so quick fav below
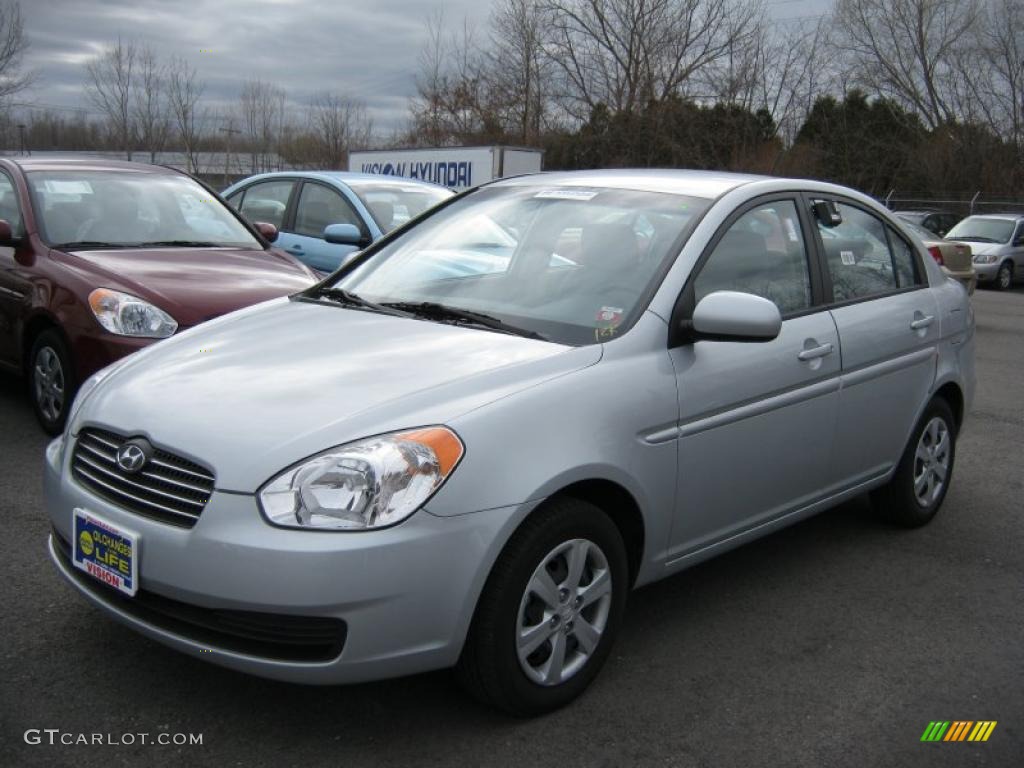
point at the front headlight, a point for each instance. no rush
(128, 315)
(371, 483)
(985, 258)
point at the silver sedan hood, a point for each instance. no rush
(258, 390)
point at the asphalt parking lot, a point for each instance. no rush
(834, 642)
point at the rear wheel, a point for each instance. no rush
(550, 610)
(51, 380)
(1004, 277)
(916, 491)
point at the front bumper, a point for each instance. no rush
(95, 348)
(404, 595)
(986, 273)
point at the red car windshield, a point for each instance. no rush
(121, 209)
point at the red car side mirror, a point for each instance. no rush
(269, 231)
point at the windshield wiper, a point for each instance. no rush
(180, 244)
(434, 311)
(349, 299)
(81, 245)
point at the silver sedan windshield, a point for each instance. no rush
(574, 265)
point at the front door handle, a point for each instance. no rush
(815, 352)
(922, 322)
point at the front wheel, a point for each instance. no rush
(1004, 277)
(549, 613)
(916, 491)
(51, 381)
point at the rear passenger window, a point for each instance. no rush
(857, 251)
(762, 253)
(903, 259)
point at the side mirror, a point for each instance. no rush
(734, 316)
(343, 234)
(269, 231)
(6, 233)
(1017, 241)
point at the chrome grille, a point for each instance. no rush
(168, 488)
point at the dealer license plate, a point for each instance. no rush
(106, 552)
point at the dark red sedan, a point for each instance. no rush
(99, 258)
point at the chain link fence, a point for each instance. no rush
(963, 205)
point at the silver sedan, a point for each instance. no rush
(413, 466)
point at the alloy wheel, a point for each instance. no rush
(563, 612)
(1005, 277)
(48, 381)
(931, 462)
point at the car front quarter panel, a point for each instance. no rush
(604, 423)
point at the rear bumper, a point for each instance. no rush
(967, 278)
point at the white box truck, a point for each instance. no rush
(455, 167)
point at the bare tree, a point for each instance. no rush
(13, 45)
(261, 110)
(780, 69)
(518, 72)
(183, 93)
(996, 73)
(626, 53)
(338, 124)
(109, 89)
(905, 50)
(150, 107)
(452, 100)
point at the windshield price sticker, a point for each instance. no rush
(68, 187)
(567, 194)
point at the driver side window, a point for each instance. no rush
(763, 253)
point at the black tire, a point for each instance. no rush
(1004, 277)
(897, 502)
(49, 350)
(490, 667)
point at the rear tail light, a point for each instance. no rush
(936, 254)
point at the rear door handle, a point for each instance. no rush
(816, 352)
(922, 322)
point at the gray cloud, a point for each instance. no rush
(365, 49)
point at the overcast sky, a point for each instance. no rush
(367, 49)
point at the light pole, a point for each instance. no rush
(230, 131)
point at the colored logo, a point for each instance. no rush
(958, 730)
(131, 457)
(85, 543)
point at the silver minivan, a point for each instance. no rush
(468, 445)
(997, 245)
